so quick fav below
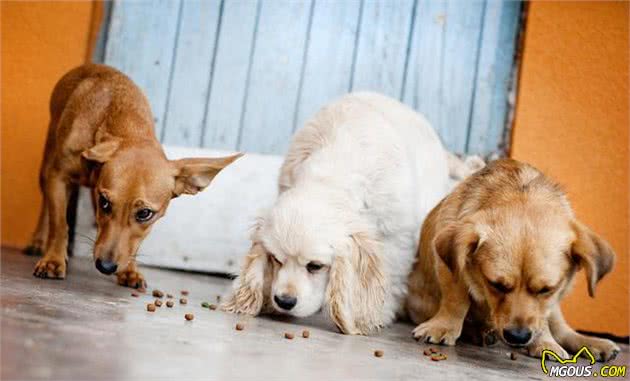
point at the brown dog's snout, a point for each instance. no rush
(106, 266)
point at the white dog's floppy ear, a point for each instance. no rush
(356, 288)
(194, 174)
(593, 253)
(455, 243)
(252, 287)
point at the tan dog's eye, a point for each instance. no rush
(104, 204)
(500, 287)
(545, 291)
(313, 267)
(144, 215)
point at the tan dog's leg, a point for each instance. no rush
(546, 341)
(446, 326)
(53, 264)
(38, 240)
(602, 349)
(131, 277)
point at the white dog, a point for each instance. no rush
(355, 187)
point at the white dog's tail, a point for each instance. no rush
(459, 169)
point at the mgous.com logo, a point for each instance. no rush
(570, 367)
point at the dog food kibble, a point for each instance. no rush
(378, 353)
(158, 303)
(288, 335)
(169, 303)
(306, 334)
(205, 305)
(151, 307)
(169, 296)
(212, 307)
(183, 301)
(218, 298)
(433, 350)
(427, 352)
(239, 327)
(189, 317)
(184, 292)
(512, 356)
(158, 293)
(438, 356)
(134, 294)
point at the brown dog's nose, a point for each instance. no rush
(286, 302)
(106, 267)
(517, 336)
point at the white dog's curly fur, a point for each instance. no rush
(355, 186)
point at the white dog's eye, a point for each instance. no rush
(313, 267)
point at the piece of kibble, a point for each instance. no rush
(183, 301)
(239, 327)
(134, 294)
(512, 356)
(378, 353)
(218, 298)
(151, 307)
(427, 352)
(184, 292)
(306, 334)
(158, 293)
(158, 303)
(189, 317)
(438, 356)
(169, 303)
(433, 350)
(212, 307)
(205, 305)
(288, 335)
(169, 296)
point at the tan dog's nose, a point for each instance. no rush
(517, 336)
(106, 267)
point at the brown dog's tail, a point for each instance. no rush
(459, 169)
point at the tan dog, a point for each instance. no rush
(502, 250)
(101, 135)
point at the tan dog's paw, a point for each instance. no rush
(131, 278)
(51, 268)
(536, 349)
(601, 349)
(437, 331)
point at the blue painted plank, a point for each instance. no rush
(275, 76)
(498, 44)
(442, 64)
(382, 46)
(191, 73)
(329, 58)
(141, 42)
(229, 80)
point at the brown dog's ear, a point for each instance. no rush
(101, 152)
(455, 243)
(356, 288)
(195, 174)
(593, 253)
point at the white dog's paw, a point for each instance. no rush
(436, 331)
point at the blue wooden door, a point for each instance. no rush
(245, 74)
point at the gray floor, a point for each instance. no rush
(87, 327)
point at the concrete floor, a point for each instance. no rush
(87, 327)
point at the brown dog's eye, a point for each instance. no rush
(313, 267)
(104, 204)
(545, 290)
(144, 215)
(500, 287)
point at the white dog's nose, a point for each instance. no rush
(286, 302)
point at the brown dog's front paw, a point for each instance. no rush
(50, 268)
(437, 331)
(131, 278)
(536, 349)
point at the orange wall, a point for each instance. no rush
(40, 42)
(572, 122)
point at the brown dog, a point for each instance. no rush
(101, 135)
(502, 250)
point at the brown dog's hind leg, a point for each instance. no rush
(53, 264)
(602, 349)
(131, 277)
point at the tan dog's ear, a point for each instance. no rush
(455, 243)
(101, 152)
(356, 288)
(195, 174)
(253, 285)
(593, 253)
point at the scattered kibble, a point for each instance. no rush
(427, 352)
(239, 327)
(306, 334)
(169, 303)
(212, 307)
(158, 293)
(189, 317)
(169, 296)
(183, 301)
(151, 307)
(512, 356)
(288, 335)
(438, 356)
(184, 292)
(433, 350)
(218, 298)
(158, 303)
(379, 353)
(205, 305)
(134, 294)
